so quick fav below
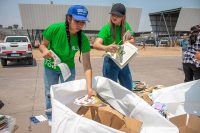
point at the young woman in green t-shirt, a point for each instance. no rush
(65, 39)
(107, 40)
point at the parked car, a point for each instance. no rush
(138, 42)
(16, 48)
(150, 42)
(163, 43)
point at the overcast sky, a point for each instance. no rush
(9, 9)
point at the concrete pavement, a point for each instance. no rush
(22, 92)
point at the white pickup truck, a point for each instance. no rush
(16, 48)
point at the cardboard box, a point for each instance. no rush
(187, 123)
(112, 118)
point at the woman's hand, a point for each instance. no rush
(91, 92)
(128, 37)
(111, 48)
(46, 53)
(43, 49)
(130, 40)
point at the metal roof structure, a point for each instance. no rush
(188, 17)
(174, 20)
(164, 21)
(172, 23)
(39, 16)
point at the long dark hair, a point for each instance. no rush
(113, 30)
(69, 39)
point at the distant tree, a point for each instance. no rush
(9, 27)
(15, 26)
(1, 26)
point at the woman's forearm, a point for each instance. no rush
(88, 76)
(87, 69)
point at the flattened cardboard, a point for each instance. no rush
(187, 123)
(112, 118)
(146, 98)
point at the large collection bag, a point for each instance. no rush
(65, 118)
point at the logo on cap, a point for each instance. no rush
(82, 12)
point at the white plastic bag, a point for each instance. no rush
(64, 118)
(180, 99)
(63, 67)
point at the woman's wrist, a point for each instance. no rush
(104, 48)
(90, 89)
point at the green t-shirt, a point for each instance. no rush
(106, 35)
(58, 43)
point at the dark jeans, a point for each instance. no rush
(191, 72)
(113, 72)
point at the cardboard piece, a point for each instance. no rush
(146, 98)
(112, 118)
(187, 123)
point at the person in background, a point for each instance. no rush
(108, 39)
(197, 55)
(184, 43)
(191, 65)
(143, 45)
(65, 39)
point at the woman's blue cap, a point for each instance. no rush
(78, 12)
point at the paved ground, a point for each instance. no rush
(19, 82)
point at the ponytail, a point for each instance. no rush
(79, 43)
(68, 33)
